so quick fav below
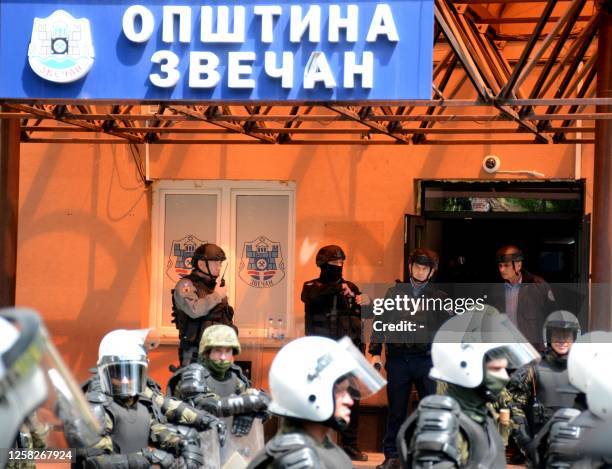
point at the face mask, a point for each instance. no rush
(331, 273)
(495, 381)
(218, 367)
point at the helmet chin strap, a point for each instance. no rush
(214, 277)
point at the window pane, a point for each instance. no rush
(191, 219)
(262, 241)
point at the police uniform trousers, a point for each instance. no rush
(404, 369)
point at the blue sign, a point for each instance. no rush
(230, 50)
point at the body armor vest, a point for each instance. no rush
(190, 330)
(549, 380)
(131, 427)
(195, 379)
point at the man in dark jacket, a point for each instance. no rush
(333, 309)
(526, 298)
(408, 354)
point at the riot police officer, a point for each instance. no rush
(130, 427)
(471, 354)
(408, 357)
(576, 439)
(215, 384)
(313, 382)
(333, 309)
(533, 394)
(37, 394)
(199, 301)
(164, 409)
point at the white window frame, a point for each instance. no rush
(227, 192)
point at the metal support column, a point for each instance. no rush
(9, 204)
(602, 182)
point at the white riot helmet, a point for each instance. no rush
(34, 378)
(122, 362)
(588, 370)
(304, 372)
(464, 342)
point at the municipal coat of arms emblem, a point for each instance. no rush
(262, 265)
(61, 48)
(179, 259)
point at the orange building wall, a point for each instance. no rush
(85, 223)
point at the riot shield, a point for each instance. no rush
(238, 451)
(209, 443)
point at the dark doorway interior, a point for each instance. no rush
(468, 247)
(547, 223)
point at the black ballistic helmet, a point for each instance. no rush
(514, 255)
(560, 320)
(207, 252)
(329, 253)
(424, 256)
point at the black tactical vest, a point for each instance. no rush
(549, 380)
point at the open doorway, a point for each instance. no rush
(467, 221)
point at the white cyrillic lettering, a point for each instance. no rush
(350, 23)
(382, 23)
(267, 13)
(129, 20)
(285, 71)
(203, 63)
(184, 23)
(222, 33)
(366, 69)
(299, 24)
(235, 69)
(168, 61)
(317, 69)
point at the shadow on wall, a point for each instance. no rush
(77, 338)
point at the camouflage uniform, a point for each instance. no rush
(32, 435)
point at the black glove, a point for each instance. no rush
(263, 415)
(158, 456)
(192, 455)
(252, 401)
(241, 425)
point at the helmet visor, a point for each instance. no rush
(123, 378)
(364, 379)
(43, 394)
(515, 355)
